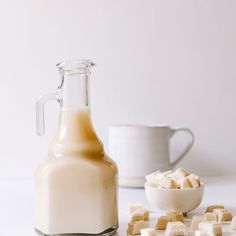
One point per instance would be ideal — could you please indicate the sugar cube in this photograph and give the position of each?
(210, 216)
(212, 207)
(175, 229)
(212, 228)
(195, 222)
(194, 180)
(180, 172)
(224, 215)
(216, 211)
(162, 221)
(168, 183)
(136, 216)
(199, 233)
(184, 182)
(176, 216)
(140, 214)
(165, 173)
(233, 223)
(152, 180)
(134, 206)
(135, 227)
(148, 232)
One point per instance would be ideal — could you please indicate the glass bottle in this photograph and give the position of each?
(76, 184)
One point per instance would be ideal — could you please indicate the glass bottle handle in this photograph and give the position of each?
(40, 122)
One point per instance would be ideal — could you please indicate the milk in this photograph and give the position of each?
(76, 184)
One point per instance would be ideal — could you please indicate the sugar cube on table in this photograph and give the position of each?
(233, 223)
(176, 216)
(176, 229)
(132, 207)
(210, 216)
(210, 227)
(135, 227)
(146, 215)
(195, 222)
(199, 233)
(212, 207)
(161, 222)
(223, 214)
(136, 216)
(216, 211)
(148, 232)
(140, 214)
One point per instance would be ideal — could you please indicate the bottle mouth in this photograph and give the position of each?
(75, 66)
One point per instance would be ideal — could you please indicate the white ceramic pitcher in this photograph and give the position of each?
(139, 150)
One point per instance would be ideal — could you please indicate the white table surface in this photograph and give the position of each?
(16, 203)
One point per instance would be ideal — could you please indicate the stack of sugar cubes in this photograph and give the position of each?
(179, 179)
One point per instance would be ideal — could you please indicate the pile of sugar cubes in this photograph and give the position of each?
(179, 179)
(172, 222)
(208, 224)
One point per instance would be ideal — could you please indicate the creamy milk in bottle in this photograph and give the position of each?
(76, 184)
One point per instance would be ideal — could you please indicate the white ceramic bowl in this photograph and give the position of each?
(183, 200)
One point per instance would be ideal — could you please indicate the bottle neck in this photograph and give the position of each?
(75, 90)
(75, 110)
(75, 134)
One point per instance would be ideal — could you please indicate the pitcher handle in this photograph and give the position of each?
(173, 131)
(40, 122)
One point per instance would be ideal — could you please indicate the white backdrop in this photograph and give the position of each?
(158, 62)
